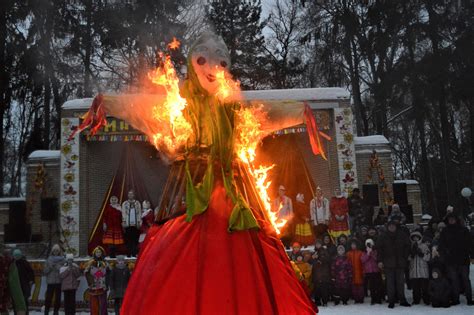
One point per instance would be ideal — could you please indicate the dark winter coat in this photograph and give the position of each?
(26, 275)
(439, 290)
(118, 281)
(321, 267)
(341, 271)
(393, 249)
(455, 245)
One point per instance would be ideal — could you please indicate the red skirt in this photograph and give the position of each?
(200, 268)
(113, 237)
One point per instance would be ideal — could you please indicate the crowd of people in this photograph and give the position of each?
(352, 255)
(356, 255)
(105, 281)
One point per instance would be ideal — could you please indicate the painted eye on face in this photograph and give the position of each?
(201, 61)
(223, 64)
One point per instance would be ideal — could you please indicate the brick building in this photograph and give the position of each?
(79, 175)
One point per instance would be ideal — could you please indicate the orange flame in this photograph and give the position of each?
(174, 44)
(249, 135)
(228, 89)
(175, 128)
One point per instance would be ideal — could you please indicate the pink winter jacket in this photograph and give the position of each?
(369, 262)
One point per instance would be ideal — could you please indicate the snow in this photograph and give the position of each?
(426, 217)
(11, 199)
(313, 94)
(406, 181)
(44, 155)
(368, 140)
(372, 151)
(366, 308)
(81, 103)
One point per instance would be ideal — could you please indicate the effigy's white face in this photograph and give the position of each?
(208, 58)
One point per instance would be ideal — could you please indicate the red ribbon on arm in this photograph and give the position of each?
(95, 118)
(313, 132)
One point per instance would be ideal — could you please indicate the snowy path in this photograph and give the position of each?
(366, 309)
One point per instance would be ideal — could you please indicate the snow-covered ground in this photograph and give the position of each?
(366, 309)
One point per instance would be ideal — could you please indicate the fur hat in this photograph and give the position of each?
(369, 241)
(415, 233)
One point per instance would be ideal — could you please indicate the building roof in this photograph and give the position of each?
(406, 181)
(368, 140)
(311, 94)
(44, 155)
(11, 199)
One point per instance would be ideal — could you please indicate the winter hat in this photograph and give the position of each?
(17, 254)
(341, 246)
(56, 248)
(369, 241)
(395, 207)
(415, 234)
(437, 271)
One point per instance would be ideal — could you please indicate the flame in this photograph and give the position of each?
(249, 135)
(228, 89)
(174, 44)
(175, 128)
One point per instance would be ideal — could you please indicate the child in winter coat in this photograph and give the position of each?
(419, 270)
(372, 272)
(439, 289)
(341, 271)
(354, 256)
(321, 274)
(69, 274)
(118, 281)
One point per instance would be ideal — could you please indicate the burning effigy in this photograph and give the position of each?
(220, 253)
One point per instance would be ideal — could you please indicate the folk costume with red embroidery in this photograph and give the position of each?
(303, 231)
(148, 217)
(320, 214)
(113, 230)
(132, 221)
(339, 208)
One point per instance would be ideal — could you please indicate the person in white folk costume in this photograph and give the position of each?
(132, 221)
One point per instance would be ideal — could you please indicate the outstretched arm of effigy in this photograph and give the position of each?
(282, 114)
(135, 109)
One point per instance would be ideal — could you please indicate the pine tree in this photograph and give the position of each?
(239, 24)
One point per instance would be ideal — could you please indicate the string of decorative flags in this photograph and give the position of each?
(117, 138)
